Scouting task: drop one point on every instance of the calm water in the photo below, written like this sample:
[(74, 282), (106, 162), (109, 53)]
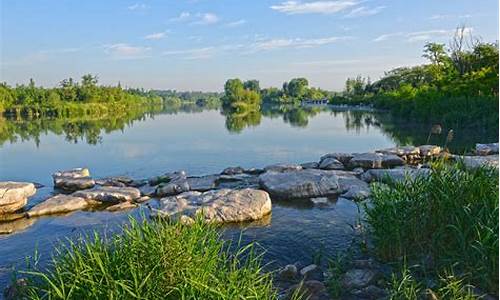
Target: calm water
[(200, 142)]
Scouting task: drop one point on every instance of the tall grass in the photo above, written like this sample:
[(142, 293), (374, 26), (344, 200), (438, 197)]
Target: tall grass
[(448, 222), (152, 260)]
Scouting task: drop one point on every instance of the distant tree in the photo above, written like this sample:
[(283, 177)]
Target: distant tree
[(296, 88), (252, 85)]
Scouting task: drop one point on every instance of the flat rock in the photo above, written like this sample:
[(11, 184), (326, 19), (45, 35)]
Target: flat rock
[(14, 195), (429, 150), (401, 151), (473, 162), (397, 175), (72, 184), (218, 206), (366, 161), (392, 160), (73, 173), (177, 183), (203, 183), (358, 278), (331, 163), (487, 149), (233, 171), (344, 158), (167, 177), (310, 165), (109, 194), (308, 183), (57, 205), (354, 188), (283, 168), (121, 206)]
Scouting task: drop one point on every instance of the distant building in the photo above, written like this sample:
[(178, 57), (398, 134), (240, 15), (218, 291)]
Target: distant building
[(323, 101)]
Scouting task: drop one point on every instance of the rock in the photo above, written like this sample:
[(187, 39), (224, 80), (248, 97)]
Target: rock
[(147, 190), (310, 289), (344, 158), (392, 160), (14, 195), (358, 278), (239, 181), (15, 290), (203, 183), (310, 165), (109, 182), (354, 189), (73, 173), (16, 226), (370, 292), (57, 205), (397, 175), (366, 161), (138, 183), (177, 183), (312, 272), (109, 194), (73, 184), (473, 162), (219, 206), (254, 171), (358, 171), (166, 178), (283, 168), (121, 206), (289, 272), (233, 171), (142, 199), (405, 151), (308, 269), (429, 150), (300, 184), (331, 163), (487, 149)]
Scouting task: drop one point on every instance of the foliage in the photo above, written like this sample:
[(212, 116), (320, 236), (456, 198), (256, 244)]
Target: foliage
[(448, 220), (152, 260)]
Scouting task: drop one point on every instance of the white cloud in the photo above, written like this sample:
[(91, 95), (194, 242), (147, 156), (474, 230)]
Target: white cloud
[(181, 17), (444, 17), (156, 36), (322, 63), (126, 51), (296, 43), (425, 35), (196, 53), (364, 11), (206, 19), (236, 23), (137, 6), (318, 7)]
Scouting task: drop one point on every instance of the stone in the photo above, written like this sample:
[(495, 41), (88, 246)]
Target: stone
[(58, 204), (233, 171), (14, 195), (392, 160), (396, 175), (283, 168), (429, 150), (344, 158), (109, 194), (289, 272), (308, 183), (73, 173), (176, 184), (239, 181), (203, 183), (358, 278), (401, 151), (486, 149), (310, 289), (109, 182), (330, 163), (138, 183), (16, 225), (307, 269), (167, 177), (312, 272), (147, 190), (354, 188), (366, 161), (218, 206), (370, 292), (142, 199), (14, 291), (121, 206), (73, 180), (310, 165), (254, 171), (474, 162)]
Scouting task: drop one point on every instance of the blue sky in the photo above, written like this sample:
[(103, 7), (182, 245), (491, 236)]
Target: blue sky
[(198, 44)]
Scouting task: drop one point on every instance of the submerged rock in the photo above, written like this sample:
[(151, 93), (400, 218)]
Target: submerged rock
[(397, 175), (16, 225), (330, 163), (203, 183), (121, 206), (219, 206), (14, 195), (109, 194), (57, 205), (487, 149), (283, 168), (300, 184)]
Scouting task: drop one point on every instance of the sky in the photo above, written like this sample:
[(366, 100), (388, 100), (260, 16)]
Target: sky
[(199, 44)]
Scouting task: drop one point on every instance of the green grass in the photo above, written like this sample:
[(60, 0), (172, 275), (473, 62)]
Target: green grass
[(152, 260), (446, 223)]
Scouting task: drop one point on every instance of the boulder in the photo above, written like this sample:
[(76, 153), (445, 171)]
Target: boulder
[(283, 168), (392, 160), (254, 171), (14, 195), (109, 194), (73, 184), (312, 272), (487, 149), (203, 183), (358, 278), (397, 175), (330, 163), (405, 151), (233, 171), (16, 225), (73, 173), (308, 183), (57, 205), (289, 272), (473, 162), (429, 150), (366, 161), (218, 206), (177, 183), (353, 188), (344, 158), (310, 289), (167, 177)]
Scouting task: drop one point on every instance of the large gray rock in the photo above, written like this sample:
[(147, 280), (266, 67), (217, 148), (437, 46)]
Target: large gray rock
[(174, 187), (404, 151), (487, 149), (375, 161), (310, 165), (473, 162), (308, 183), (218, 206), (109, 194), (330, 163), (14, 195), (283, 168), (73, 180), (396, 175), (167, 177), (203, 183), (233, 171), (392, 160), (344, 158), (353, 188), (57, 205)]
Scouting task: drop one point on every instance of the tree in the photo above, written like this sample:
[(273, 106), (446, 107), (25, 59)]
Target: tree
[(252, 85), (296, 88)]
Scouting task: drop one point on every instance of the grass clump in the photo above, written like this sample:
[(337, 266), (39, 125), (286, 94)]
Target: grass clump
[(446, 222), (152, 260)]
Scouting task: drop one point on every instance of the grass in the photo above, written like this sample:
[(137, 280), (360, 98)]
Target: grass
[(447, 224), (152, 260)]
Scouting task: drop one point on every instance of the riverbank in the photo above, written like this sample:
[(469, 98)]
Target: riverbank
[(238, 194)]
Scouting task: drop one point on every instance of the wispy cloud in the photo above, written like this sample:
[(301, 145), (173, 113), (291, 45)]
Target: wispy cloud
[(156, 36), (322, 63), (364, 11), (126, 51), (196, 53), (296, 43), (236, 23), (417, 36), (314, 7), (206, 19), (138, 6), (183, 16), (448, 16)]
